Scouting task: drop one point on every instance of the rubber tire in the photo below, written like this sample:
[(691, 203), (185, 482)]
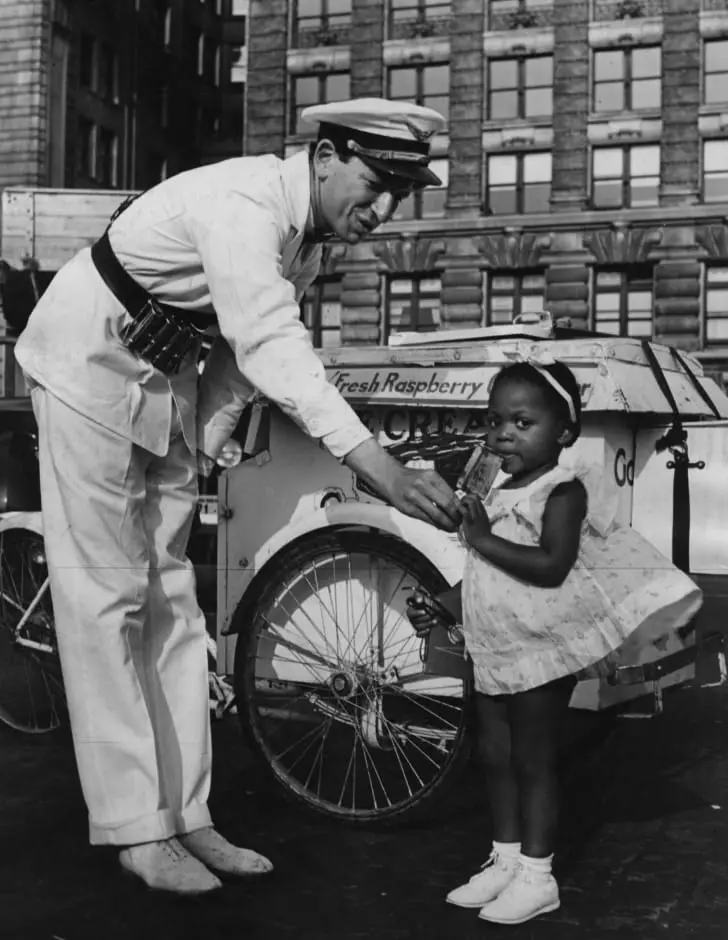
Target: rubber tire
[(425, 802), (44, 665)]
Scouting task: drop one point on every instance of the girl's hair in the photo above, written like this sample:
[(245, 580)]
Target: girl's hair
[(562, 375)]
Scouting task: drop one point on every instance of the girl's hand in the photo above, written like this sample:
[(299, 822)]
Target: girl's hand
[(476, 523)]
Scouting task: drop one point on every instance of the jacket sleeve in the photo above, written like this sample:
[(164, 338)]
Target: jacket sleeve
[(259, 319)]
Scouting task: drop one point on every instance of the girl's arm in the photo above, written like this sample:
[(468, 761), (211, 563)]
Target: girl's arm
[(547, 564)]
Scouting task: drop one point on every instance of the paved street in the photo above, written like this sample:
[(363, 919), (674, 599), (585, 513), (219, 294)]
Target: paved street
[(643, 855)]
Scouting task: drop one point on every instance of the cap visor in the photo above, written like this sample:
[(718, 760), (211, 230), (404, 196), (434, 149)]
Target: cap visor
[(416, 172)]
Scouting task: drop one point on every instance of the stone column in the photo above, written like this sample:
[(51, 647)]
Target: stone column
[(681, 92), (461, 273), (265, 90), (464, 195), (569, 189), (677, 288), (567, 278), (361, 297), (367, 36)]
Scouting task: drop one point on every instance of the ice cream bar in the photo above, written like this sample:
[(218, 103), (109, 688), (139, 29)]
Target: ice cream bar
[(480, 471)]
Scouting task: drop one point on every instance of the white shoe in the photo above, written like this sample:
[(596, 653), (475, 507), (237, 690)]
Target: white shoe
[(168, 866), (527, 896), (493, 877), (217, 853)]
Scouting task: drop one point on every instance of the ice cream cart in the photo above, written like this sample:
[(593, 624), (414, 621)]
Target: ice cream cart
[(353, 714)]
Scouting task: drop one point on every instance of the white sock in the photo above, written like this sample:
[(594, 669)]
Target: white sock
[(540, 867), (508, 851)]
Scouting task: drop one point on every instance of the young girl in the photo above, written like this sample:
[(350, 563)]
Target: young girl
[(551, 587)]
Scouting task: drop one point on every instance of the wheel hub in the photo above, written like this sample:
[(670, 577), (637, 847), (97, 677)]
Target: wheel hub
[(344, 684)]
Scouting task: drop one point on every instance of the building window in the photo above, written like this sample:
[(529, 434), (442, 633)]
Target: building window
[(520, 88), (716, 305), (240, 7), (622, 301), (414, 11), (108, 75), (238, 65), (107, 158), (715, 89), (518, 182), (322, 14), (625, 176), (628, 79), (321, 311), (511, 294), (315, 89), (428, 85), (513, 14), (88, 62), (86, 148), (715, 171), (413, 304), (427, 203)]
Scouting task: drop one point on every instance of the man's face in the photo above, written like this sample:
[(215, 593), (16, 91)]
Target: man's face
[(351, 199)]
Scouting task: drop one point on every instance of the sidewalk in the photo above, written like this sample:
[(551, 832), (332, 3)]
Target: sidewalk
[(644, 854)]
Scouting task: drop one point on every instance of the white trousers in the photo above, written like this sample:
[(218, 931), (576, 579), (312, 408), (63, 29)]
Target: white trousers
[(130, 632)]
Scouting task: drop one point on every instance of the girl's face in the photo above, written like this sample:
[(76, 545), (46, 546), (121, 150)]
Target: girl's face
[(524, 430)]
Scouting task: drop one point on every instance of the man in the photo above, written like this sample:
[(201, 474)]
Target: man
[(110, 353)]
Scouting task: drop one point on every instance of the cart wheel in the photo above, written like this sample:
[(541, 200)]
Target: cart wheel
[(32, 699), (330, 683)]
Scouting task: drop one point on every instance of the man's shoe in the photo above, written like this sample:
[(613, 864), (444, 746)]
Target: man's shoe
[(527, 896), (496, 874), (168, 866), (217, 853)]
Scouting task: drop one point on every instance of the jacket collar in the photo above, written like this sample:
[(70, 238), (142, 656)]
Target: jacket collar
[(297, 184)]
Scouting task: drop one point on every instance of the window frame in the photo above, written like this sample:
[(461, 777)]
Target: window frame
[(416, 278), (626, 179), (417, 199), (628, 79), (722, 40), (520, 156), (420, 68), (324, 21), (633, 277), (704, 176), (521, 87), (705, 319), (323, 98), (518, 275)]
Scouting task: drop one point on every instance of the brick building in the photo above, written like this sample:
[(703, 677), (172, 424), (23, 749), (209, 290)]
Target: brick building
[(119, 93), (586, 160)]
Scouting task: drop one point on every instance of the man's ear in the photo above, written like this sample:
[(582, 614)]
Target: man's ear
[(323, 157)]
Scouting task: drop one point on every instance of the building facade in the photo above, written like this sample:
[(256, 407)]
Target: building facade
[(119, 93), (585, 163)]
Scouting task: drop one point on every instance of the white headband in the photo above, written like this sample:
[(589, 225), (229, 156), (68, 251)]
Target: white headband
[(556, 386)]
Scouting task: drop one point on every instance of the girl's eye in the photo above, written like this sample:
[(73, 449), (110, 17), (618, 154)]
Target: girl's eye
[(491, 422), (522, 424)]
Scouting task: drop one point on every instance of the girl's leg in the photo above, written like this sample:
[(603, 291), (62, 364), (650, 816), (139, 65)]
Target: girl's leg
[(535, 719), (495, 750), (494, 740)]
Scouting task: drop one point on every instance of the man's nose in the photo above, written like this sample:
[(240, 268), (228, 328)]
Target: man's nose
[(383, 207)]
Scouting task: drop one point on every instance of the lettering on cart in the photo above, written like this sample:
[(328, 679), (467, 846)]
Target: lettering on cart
[(407, 424), (623, 468), (393, 383)]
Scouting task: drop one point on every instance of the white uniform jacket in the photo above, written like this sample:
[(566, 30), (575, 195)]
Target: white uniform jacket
[(226, 240)]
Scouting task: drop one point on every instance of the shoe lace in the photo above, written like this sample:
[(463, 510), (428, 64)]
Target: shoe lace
[(494, 860)]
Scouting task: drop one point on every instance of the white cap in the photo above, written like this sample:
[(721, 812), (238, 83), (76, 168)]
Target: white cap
[(391, 136)]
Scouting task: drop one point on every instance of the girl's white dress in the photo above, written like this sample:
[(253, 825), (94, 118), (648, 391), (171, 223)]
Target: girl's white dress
[(621, 595)]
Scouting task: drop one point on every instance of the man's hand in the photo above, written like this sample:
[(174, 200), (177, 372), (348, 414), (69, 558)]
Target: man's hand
[(422, 494)]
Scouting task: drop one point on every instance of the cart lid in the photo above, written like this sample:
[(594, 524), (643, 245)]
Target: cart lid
[(614, 372)]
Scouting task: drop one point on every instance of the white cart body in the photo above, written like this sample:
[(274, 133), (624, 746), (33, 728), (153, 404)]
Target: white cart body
[(290, 487)]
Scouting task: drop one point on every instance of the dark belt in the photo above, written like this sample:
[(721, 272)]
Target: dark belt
[(159, 333)]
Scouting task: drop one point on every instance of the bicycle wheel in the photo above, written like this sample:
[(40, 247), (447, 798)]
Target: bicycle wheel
[(31, 689), (331, 687)]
